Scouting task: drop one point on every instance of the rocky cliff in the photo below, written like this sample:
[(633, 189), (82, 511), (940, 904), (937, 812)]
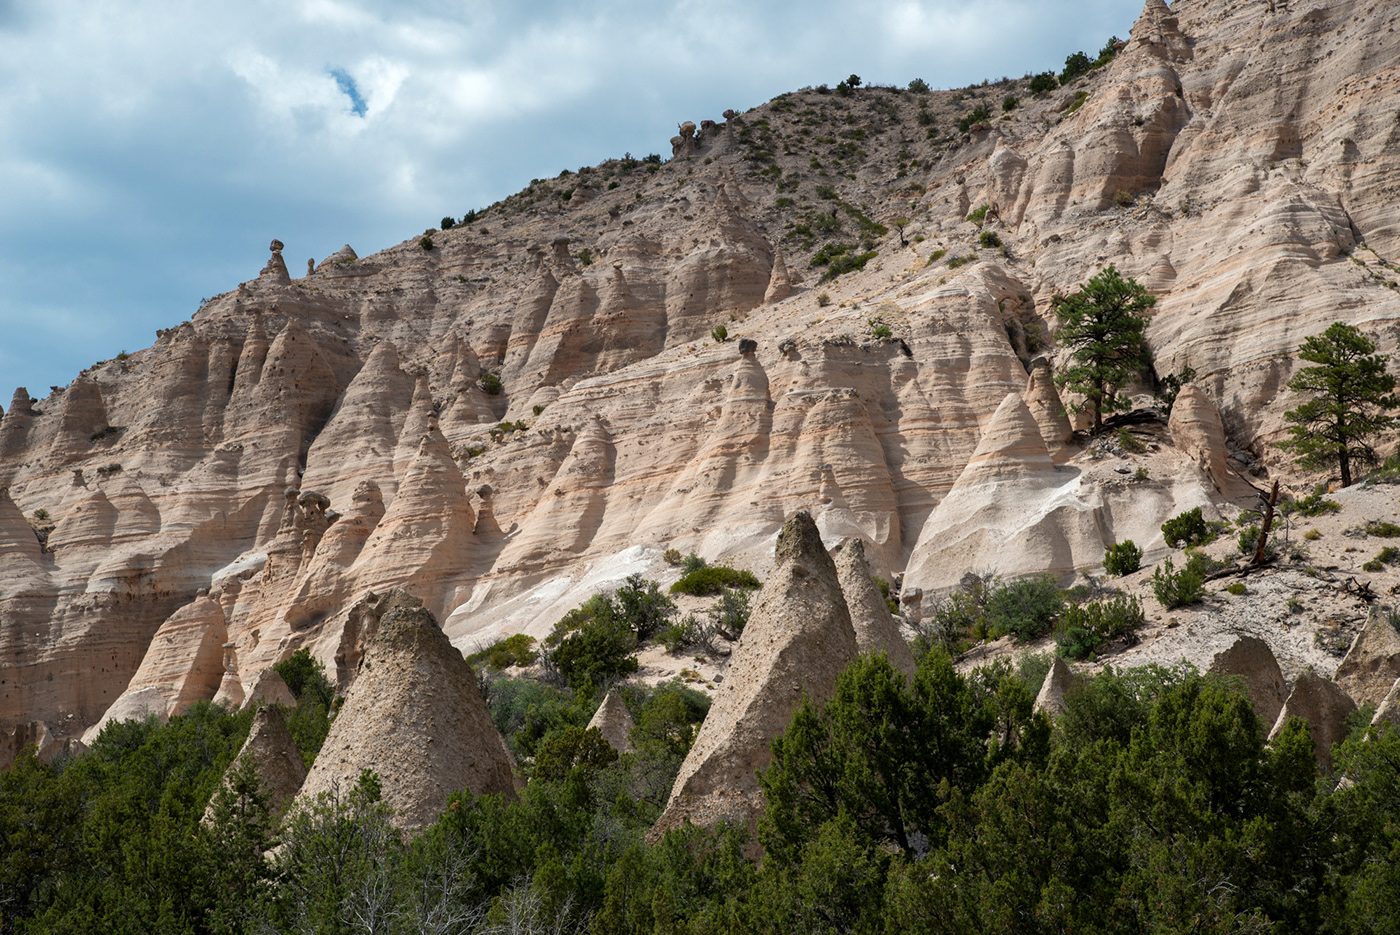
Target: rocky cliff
[(300, 442)]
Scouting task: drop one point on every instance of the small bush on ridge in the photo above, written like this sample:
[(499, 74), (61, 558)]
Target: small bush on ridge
[(1122, 558)]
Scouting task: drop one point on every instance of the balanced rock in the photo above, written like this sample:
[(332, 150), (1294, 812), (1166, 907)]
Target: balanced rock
[(614, 722), (1058, 681), (269, 689), (797, 641), (876, 629), (1251, 658), (1372, 664), (414, 715), (1325, 707), (276, 760)]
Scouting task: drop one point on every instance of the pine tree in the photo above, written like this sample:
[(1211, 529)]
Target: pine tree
[(1351, 395), (1104, 325)]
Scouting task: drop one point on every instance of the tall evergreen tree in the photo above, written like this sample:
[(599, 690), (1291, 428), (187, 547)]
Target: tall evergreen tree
[(1104, 325), (1352, 394)]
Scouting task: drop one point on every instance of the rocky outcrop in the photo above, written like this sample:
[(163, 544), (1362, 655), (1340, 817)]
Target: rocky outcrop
[(614, 722), (1057, 684), (1197, 432), (1251, 659), (798, 639), (1372, 664), (1043, 401), (276, 761), (1388, 711), (1323, 704), (779, 280), (875, 628), (414, 716), (269, 688)]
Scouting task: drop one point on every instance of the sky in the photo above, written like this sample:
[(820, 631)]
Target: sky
[(150, 149)]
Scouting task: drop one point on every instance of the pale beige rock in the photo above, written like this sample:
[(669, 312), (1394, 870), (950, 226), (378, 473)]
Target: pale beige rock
[(131, 706), (1323, 704), (230, 691), (798, 639), (1388, 711), (779, 281), (876, 630), (1057, 684), (269, 688), (1196, 431), (1251, 659), (276, 760), (1043, 400), (83, 416), (414, 716), (614, 722), (1372, 664)]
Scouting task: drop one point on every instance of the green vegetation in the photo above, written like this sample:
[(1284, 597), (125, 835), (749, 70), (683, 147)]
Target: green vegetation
[(979, 115), (1026, 608), (823, 299), (1174, 588), (1130, 443), (989, 239), (426, 242), (936, 255), (490, 383), (719, 334), (1238, 588), (1103, 325), (1169, 386), (537, 408), (958, 261), (1190, 529), (1382, 528), (1009, 103), (516, 650), (1314, 504), (1085, 629), (978, 215), (596, 642), (712, 579), (1076, 64), (1352, 396), (879, 329), (937, 804), (1079, 98), (1044, 83), (310, 721), (919, 86), (1122, 558)]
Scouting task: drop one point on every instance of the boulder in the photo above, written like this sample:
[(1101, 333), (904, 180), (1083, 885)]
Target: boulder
[(1251, 659), (798, 640), (876, 629), (1058, 681), (414, 716), (614, 722), (269, 689), (1325, 707), (1372, 664), (1197, 432), (276, 760)]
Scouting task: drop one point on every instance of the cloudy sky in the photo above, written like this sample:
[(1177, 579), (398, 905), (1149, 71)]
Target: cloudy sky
[(150, 149)]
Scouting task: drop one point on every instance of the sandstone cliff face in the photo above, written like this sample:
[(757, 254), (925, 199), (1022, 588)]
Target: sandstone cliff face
[(1237, 159), (798, 639)]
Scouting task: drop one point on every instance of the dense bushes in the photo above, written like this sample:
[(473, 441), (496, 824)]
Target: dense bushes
[(1174, 588), (712, 579), (1122, 558), (1188, 529), (935, 804), (1026, 608), (1085, 629)]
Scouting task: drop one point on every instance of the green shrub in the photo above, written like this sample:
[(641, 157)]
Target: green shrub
[(1174, 588), (1314, 504), (1373, 565), (426, 242), (1075, 65), (1122, 558), (642, 606), (712, 579), (686, 633), (980, 115), (979, 214), (1238, 588), (1044, 83), (515, 650), (1312, 535), (730, 614), (692, 563), (310, 721), (847, 263), (719, 333), (1008, 103), (878, 329), (490, 383), (957, 261), (1388, 555), (537, 408), (891, 604), (1248, 542), (919, 86), (592, 645), (989, 239), (937, 255), (584, 749), (1187, 529), (1079, 98), (1382, 528), (672, 556), (1026, 609), (448, 223), (1085, 629), (823, 299)]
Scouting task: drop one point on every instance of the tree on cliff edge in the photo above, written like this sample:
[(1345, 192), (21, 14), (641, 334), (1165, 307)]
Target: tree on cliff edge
[(1351, 396), (1103, 325)]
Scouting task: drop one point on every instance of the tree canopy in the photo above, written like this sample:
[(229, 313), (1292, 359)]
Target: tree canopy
[(1104, 327), (1351, 397)]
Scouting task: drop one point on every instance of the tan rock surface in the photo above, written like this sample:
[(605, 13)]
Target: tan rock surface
[(1388, 711), (269, 688), (276, 760), (876, 629), (798, 639), (414, 716), (1058, 682), (1323, 704), (1251, 659), (614, 722), (1228, 158), (1372, 664)]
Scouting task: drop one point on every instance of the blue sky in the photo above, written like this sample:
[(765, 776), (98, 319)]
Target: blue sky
[(149, 150)]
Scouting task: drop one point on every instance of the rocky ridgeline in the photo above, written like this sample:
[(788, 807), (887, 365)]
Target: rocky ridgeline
[(534, 405)]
